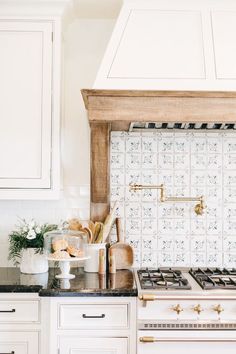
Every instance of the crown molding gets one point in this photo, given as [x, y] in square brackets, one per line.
[34, 7]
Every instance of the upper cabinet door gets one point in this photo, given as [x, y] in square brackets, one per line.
[172, 45]
[25, 104]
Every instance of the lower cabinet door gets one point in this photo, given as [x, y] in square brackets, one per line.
[77, 345]
[19, 343]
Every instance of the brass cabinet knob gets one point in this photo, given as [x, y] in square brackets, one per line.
[178, 309]
[198, 309]
[218, 309]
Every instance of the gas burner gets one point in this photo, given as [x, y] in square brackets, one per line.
[215, 278]
[162, 278]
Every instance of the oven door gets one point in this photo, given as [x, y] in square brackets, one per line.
[187, 342]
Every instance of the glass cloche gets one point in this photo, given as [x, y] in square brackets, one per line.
[65, 244]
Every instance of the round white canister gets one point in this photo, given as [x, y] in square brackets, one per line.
[92, 252]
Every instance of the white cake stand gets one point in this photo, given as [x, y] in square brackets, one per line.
[64, 265]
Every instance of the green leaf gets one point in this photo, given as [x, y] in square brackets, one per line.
[19, 241]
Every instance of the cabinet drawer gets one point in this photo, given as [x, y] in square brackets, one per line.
[19, 311]
[78, 345]
[18, 342]
[95, 316]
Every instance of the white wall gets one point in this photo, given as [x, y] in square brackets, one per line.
[84, 43]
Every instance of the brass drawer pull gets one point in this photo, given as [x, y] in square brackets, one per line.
[7, 311]
[85, 316]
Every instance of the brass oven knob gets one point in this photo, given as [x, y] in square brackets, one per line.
[218, 309]
[178, 309]
[198, 309]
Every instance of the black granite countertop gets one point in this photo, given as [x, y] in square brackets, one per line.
[122, 283]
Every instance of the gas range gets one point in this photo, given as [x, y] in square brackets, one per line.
[186, 310]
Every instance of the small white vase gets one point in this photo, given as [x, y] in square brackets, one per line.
[32, 262]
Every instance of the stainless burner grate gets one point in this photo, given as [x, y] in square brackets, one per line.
[162, 278]
[215, 278]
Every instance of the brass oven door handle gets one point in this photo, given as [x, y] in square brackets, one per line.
[86, 316]
[7, 311]
[148, 297]
[147, 339]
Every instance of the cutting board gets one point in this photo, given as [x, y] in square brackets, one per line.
[123, 252]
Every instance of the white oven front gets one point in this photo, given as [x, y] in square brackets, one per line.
[186, 342]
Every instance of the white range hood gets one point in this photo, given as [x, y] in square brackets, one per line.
[172, 45]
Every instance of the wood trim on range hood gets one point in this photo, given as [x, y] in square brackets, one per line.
[116, 109]
[121, 107]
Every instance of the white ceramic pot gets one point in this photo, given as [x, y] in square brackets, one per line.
[32, 262]
[92, 251]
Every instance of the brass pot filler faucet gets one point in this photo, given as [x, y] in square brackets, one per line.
[199, 207]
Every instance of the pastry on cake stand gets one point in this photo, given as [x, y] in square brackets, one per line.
[65, 265]
[65, 246]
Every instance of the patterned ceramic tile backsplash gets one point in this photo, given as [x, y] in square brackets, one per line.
[188, 164]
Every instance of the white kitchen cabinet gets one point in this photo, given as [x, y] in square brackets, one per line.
[104, 316]
[30, 71]
[93, 345]
[25, 110]
[172, 45]
[19, 343]
[19, 311]
[91, 325]
[20, 323]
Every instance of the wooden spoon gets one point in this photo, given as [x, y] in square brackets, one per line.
[89, 232]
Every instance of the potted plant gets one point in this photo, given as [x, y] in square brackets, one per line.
[26, 246]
